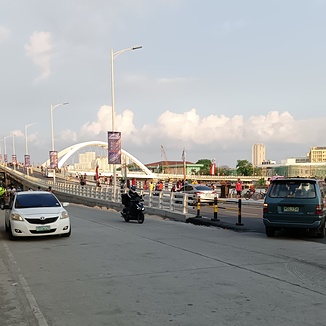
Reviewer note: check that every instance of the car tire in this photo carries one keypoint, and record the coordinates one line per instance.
(270, 231)
(321, 233)
(11, 235)
(67, 235)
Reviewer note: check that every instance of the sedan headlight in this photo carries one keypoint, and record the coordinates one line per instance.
(16, 217)
(64, 214)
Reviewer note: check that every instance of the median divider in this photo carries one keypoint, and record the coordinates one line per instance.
(216, 206)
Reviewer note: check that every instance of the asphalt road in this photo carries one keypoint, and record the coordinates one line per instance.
(251, 214)
(159, 273)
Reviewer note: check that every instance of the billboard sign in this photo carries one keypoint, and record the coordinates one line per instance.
(114, 147)
(53, 159)
(27, 159)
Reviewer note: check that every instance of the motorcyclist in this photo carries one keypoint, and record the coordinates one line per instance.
(132, 196)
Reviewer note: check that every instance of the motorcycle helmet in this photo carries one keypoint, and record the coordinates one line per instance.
(133, 188)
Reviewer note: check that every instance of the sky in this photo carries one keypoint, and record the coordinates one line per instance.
(213, 77)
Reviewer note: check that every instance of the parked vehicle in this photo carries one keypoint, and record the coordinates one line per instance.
(205, 193)
(295, 203)
(36, 213)
(134, 208)
(49, 173)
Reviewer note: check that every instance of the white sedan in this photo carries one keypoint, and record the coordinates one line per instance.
(206, 194)
(36, 213)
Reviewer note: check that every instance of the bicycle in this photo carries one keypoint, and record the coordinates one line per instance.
(260, 195)
(254, 195)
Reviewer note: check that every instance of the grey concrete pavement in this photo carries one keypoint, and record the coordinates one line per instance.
(166, 273)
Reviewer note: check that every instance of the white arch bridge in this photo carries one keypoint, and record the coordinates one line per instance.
(66, 153)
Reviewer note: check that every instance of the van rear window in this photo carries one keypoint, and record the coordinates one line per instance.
(297, 189)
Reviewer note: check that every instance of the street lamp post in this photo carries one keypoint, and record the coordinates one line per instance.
(52, 108)
(5, 148)
(1, 152)
(26, 144)
(52, 136)
(13, 151)
(113, 56)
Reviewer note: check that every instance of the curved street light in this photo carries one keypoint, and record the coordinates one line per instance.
(26, 145)
(5, 148)
(52, 137)
(113, 56)
(52, 108)
(27, 158)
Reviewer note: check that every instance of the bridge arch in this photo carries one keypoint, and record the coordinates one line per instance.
(66, 153)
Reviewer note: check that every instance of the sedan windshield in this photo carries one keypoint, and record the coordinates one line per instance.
(36, 200)
(203, 188)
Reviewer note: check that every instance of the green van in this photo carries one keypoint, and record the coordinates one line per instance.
(296, 203)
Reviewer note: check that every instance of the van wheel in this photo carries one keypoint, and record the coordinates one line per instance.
(321, 233)
(270, 232)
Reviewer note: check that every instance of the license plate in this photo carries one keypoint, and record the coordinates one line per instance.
(293, 209)
(43, 228)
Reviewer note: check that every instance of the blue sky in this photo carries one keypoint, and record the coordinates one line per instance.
(213, 77)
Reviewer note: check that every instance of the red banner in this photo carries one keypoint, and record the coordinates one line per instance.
(212, 169)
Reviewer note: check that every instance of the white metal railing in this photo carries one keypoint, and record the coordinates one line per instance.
(165, 200)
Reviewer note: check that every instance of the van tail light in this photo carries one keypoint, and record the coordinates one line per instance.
(319, 210)
(265, 208)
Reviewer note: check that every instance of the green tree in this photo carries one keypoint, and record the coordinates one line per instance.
(261, 182)
(244, 167)
(223, 170)
(205, 169)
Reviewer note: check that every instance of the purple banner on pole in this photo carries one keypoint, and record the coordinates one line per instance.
(6, 158)
(14, 159)
(53, 159)
(114, 147)
(27, 160)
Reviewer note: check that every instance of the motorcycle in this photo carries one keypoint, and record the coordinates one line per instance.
(134, 208)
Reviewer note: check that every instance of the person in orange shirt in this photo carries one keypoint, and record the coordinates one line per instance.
(238, 188)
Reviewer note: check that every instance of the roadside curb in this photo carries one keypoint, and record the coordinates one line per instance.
(209, 222)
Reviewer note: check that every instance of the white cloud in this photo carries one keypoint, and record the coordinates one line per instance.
(104, 122)
(4, 34)
(39, 50)
(18, 133)
(190, 129)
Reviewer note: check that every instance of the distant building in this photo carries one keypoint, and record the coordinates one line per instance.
(268, 162)
(174, 167)
(258, 154)
(317, 154)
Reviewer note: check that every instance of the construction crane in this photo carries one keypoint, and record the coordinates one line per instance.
(166, 166)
